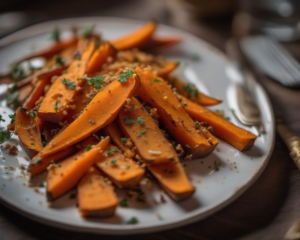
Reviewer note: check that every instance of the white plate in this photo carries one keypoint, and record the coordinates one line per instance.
(214, 189)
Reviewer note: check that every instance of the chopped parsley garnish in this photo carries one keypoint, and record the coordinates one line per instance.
(227, 118)
(128, 121)
(156, 80)
(32, 143)
(125, 75)
(216, 166)
(141, 133)
(12, 117)
(14, 87)
(55, 35)
(4, 136)
(88, 148)
(124, 139)
(13, 98)
(140, 120)
(196, 123)
(78, 57)
(71, 84)
(133, 220)
(1, 119)
(113, 161)
(97, 80)
(111, 150)
(56, 106)
(123, 203)
(37, 160)
(41, 185)
(32, 114)
(86, 31)
(191, 89)
(59, 60)
(127, 167)
(17, 73)
(91, 120)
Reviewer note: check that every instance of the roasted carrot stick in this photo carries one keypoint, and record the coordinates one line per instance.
(96, 196)
(155, 91)
(102, 110)
(235, 136)
(136, 38)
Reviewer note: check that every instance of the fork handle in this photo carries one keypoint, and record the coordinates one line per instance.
(291, 140)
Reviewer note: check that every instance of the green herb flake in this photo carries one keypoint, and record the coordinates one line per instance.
(17, 73)
(191, 89)
(37, 160)
(141, 133)
(55, 35)
(140, 120)
(97, 80)
(128, 121)
(44, 143)
(12, 117)
(1, 119)
(227, 118)
(32, 143)
(125, 75)
(133, 220)
(71, 84)
(13, 98)
(41, 185)
(123, 203)
(113, 161)
(4, 136)
(196, 123)
(124, 139)
(56, 106)
(127, 167)
(32, 114)
(216, 166)
(88, 148)
(90, 181)
(59, 60)
(14, 87)
(86, 31)
(156, 80)
(111, 150)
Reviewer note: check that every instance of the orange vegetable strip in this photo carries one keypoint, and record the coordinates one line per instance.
(191, 92)
(161, 42)
(28, 132)
(114, 132)
(122, 171)
(179, 124)
(59, 96)
(172, 178)
(100, 57)
(67, 174)
(146, 135)
(234, 135)
(167, 69)
(102, 110)
(96, 197)
(136, 38)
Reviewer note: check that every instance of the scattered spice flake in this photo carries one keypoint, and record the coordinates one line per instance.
(128, 121)
(88, 148)
(162, 198)
(133, 220)
(141, 133)
(216, 166)
(154, 152)
(156, 80)
(123, 203)
(125, 75)
(140, 120)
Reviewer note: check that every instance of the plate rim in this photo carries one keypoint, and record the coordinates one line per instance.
(128, 229)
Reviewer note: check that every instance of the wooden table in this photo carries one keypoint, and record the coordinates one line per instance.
(230, 222)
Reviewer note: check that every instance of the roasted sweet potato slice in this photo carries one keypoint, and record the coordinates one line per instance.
(114, 132)
(137, 124)
(167, 68)
(96, 197)
(172, 178)
(28, 131)
(136, 38)
(179, 124)
(100, 57)
(161, 42)
(64, 176)
(102, 110)
(122, 171)
(235, 136)
(64, 89)
(190, 91)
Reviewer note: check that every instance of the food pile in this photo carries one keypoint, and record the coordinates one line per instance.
(100, 114)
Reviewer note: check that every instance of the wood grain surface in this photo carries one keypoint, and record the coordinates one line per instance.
(265, 211)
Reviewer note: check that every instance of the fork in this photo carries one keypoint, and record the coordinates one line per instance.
(272, 59)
